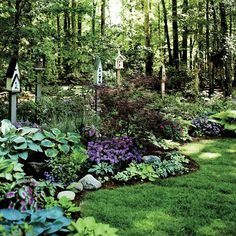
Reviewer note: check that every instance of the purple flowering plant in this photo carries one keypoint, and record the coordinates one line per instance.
(204, 127)
(118, 150)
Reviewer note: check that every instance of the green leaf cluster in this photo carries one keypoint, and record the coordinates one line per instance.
(226, 118)
(66, 204)
(89, 227)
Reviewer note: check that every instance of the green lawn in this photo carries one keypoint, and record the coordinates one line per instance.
(200, 203)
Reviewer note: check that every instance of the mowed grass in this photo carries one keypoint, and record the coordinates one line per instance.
(200, 203)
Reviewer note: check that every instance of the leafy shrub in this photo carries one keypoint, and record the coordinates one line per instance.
(66, 168)
(19, 143)
(173, 164)
(204, 127)
(66, 204)
(227, 119)
(115, 151)
(10, 170)
(88, 226)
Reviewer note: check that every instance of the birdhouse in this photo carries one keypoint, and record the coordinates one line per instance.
(40, 63)
(119, 61)
(13, 77)
(98, 71)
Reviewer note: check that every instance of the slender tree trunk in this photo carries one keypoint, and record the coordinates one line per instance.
(79, 29)
(191, 44)
(167, 31)
(200, 47)
(16, 37)
(175, 34)
(59, 41)
(185, 35)
(226, 57)
(73, 23)
(147, 31)
(103, 17)
(209, 64)
(94, 17)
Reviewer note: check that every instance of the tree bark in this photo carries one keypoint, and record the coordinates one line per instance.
(175, 34)
(147, 31)
(103, 17)
(185, 35)
(226, 57)
(167, 31)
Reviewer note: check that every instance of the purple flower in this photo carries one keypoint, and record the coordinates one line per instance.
(10, 195)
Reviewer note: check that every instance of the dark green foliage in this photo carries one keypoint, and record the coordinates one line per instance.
(66, 168)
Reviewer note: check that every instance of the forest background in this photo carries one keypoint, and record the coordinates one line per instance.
(194, 40)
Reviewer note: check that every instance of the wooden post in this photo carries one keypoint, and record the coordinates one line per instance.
(119, 66)
(118, 78)
(12, 107)
(13, 87)
(163, 80)
(38, 90)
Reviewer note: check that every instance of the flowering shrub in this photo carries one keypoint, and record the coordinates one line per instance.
(114, 151)
(204, 127)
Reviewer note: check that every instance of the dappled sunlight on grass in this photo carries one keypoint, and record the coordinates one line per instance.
(209, 155)
(154, 222)
(216, 227)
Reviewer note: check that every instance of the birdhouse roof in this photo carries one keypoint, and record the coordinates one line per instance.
(120, 57)
(11, 68)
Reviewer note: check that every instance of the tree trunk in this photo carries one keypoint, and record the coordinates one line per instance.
(147, 31)
(226, 57)
(167, 31)
(185, 35)
(16, 37)
(200, 47)
(103, 17)
(94, 17)
(73, 23)
(175, 34)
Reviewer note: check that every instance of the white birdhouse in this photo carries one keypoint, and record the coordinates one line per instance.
(98, 71)
(13, 77)
(119, 61)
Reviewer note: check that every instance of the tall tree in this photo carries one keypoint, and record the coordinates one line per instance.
(225, 54)
(167, 31)
(147, 31)
(185, 34)
(103, 16)
(175, 34)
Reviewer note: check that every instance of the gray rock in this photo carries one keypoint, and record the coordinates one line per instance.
(89, 182)
(151, 159)
(76, 185)
(69, 194)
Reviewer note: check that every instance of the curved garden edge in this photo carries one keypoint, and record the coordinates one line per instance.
(200, 203)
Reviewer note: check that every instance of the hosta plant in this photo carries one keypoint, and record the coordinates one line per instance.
(226, 118)
(43, 222)
(66, 204)
(10, 170)
(88, 226)
(19, 143)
